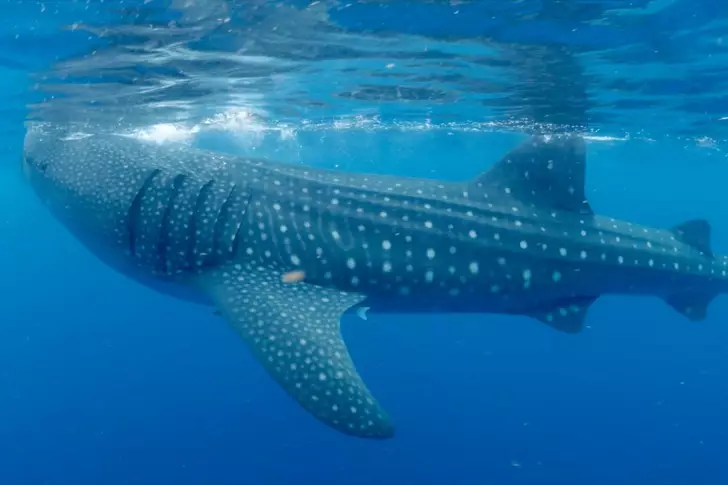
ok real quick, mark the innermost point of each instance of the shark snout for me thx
(24, 167)
(30, 167)
(30, 162)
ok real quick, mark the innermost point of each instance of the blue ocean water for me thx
(105, 381)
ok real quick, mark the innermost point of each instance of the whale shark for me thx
(282, 251)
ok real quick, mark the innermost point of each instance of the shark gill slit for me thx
(164, 229)
(220, 221)
(235, 242)
(235, 239)
(135, 208)
(192, 259)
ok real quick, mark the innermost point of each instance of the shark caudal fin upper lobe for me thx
(693, 304)
(293, 331)
(696, 233)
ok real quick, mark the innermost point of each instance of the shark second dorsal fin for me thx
(292, 328)
(544, 171)
(696, 233)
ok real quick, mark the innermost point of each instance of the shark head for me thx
(36, 162)
(82, 189)
(89, 183)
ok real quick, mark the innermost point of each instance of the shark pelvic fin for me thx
(565, 315)
(696, 233)
(693, 305)
(293, 331)
(544, 171)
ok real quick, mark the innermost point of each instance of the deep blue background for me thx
(104, 381)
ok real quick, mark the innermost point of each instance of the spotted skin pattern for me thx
(283, 251)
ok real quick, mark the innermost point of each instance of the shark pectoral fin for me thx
(544, 171)
(565, 315)
(696, 233)
(293, 331)
(693, 305)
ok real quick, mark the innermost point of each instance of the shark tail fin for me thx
(695, 233)
(693, 305)
(690, 303)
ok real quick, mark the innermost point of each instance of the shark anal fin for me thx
(565, 315)
(293, 331)
(696, 233)
(693, 305)
(544, 171)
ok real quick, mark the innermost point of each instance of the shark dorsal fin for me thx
(696, 233)
(544, 171)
